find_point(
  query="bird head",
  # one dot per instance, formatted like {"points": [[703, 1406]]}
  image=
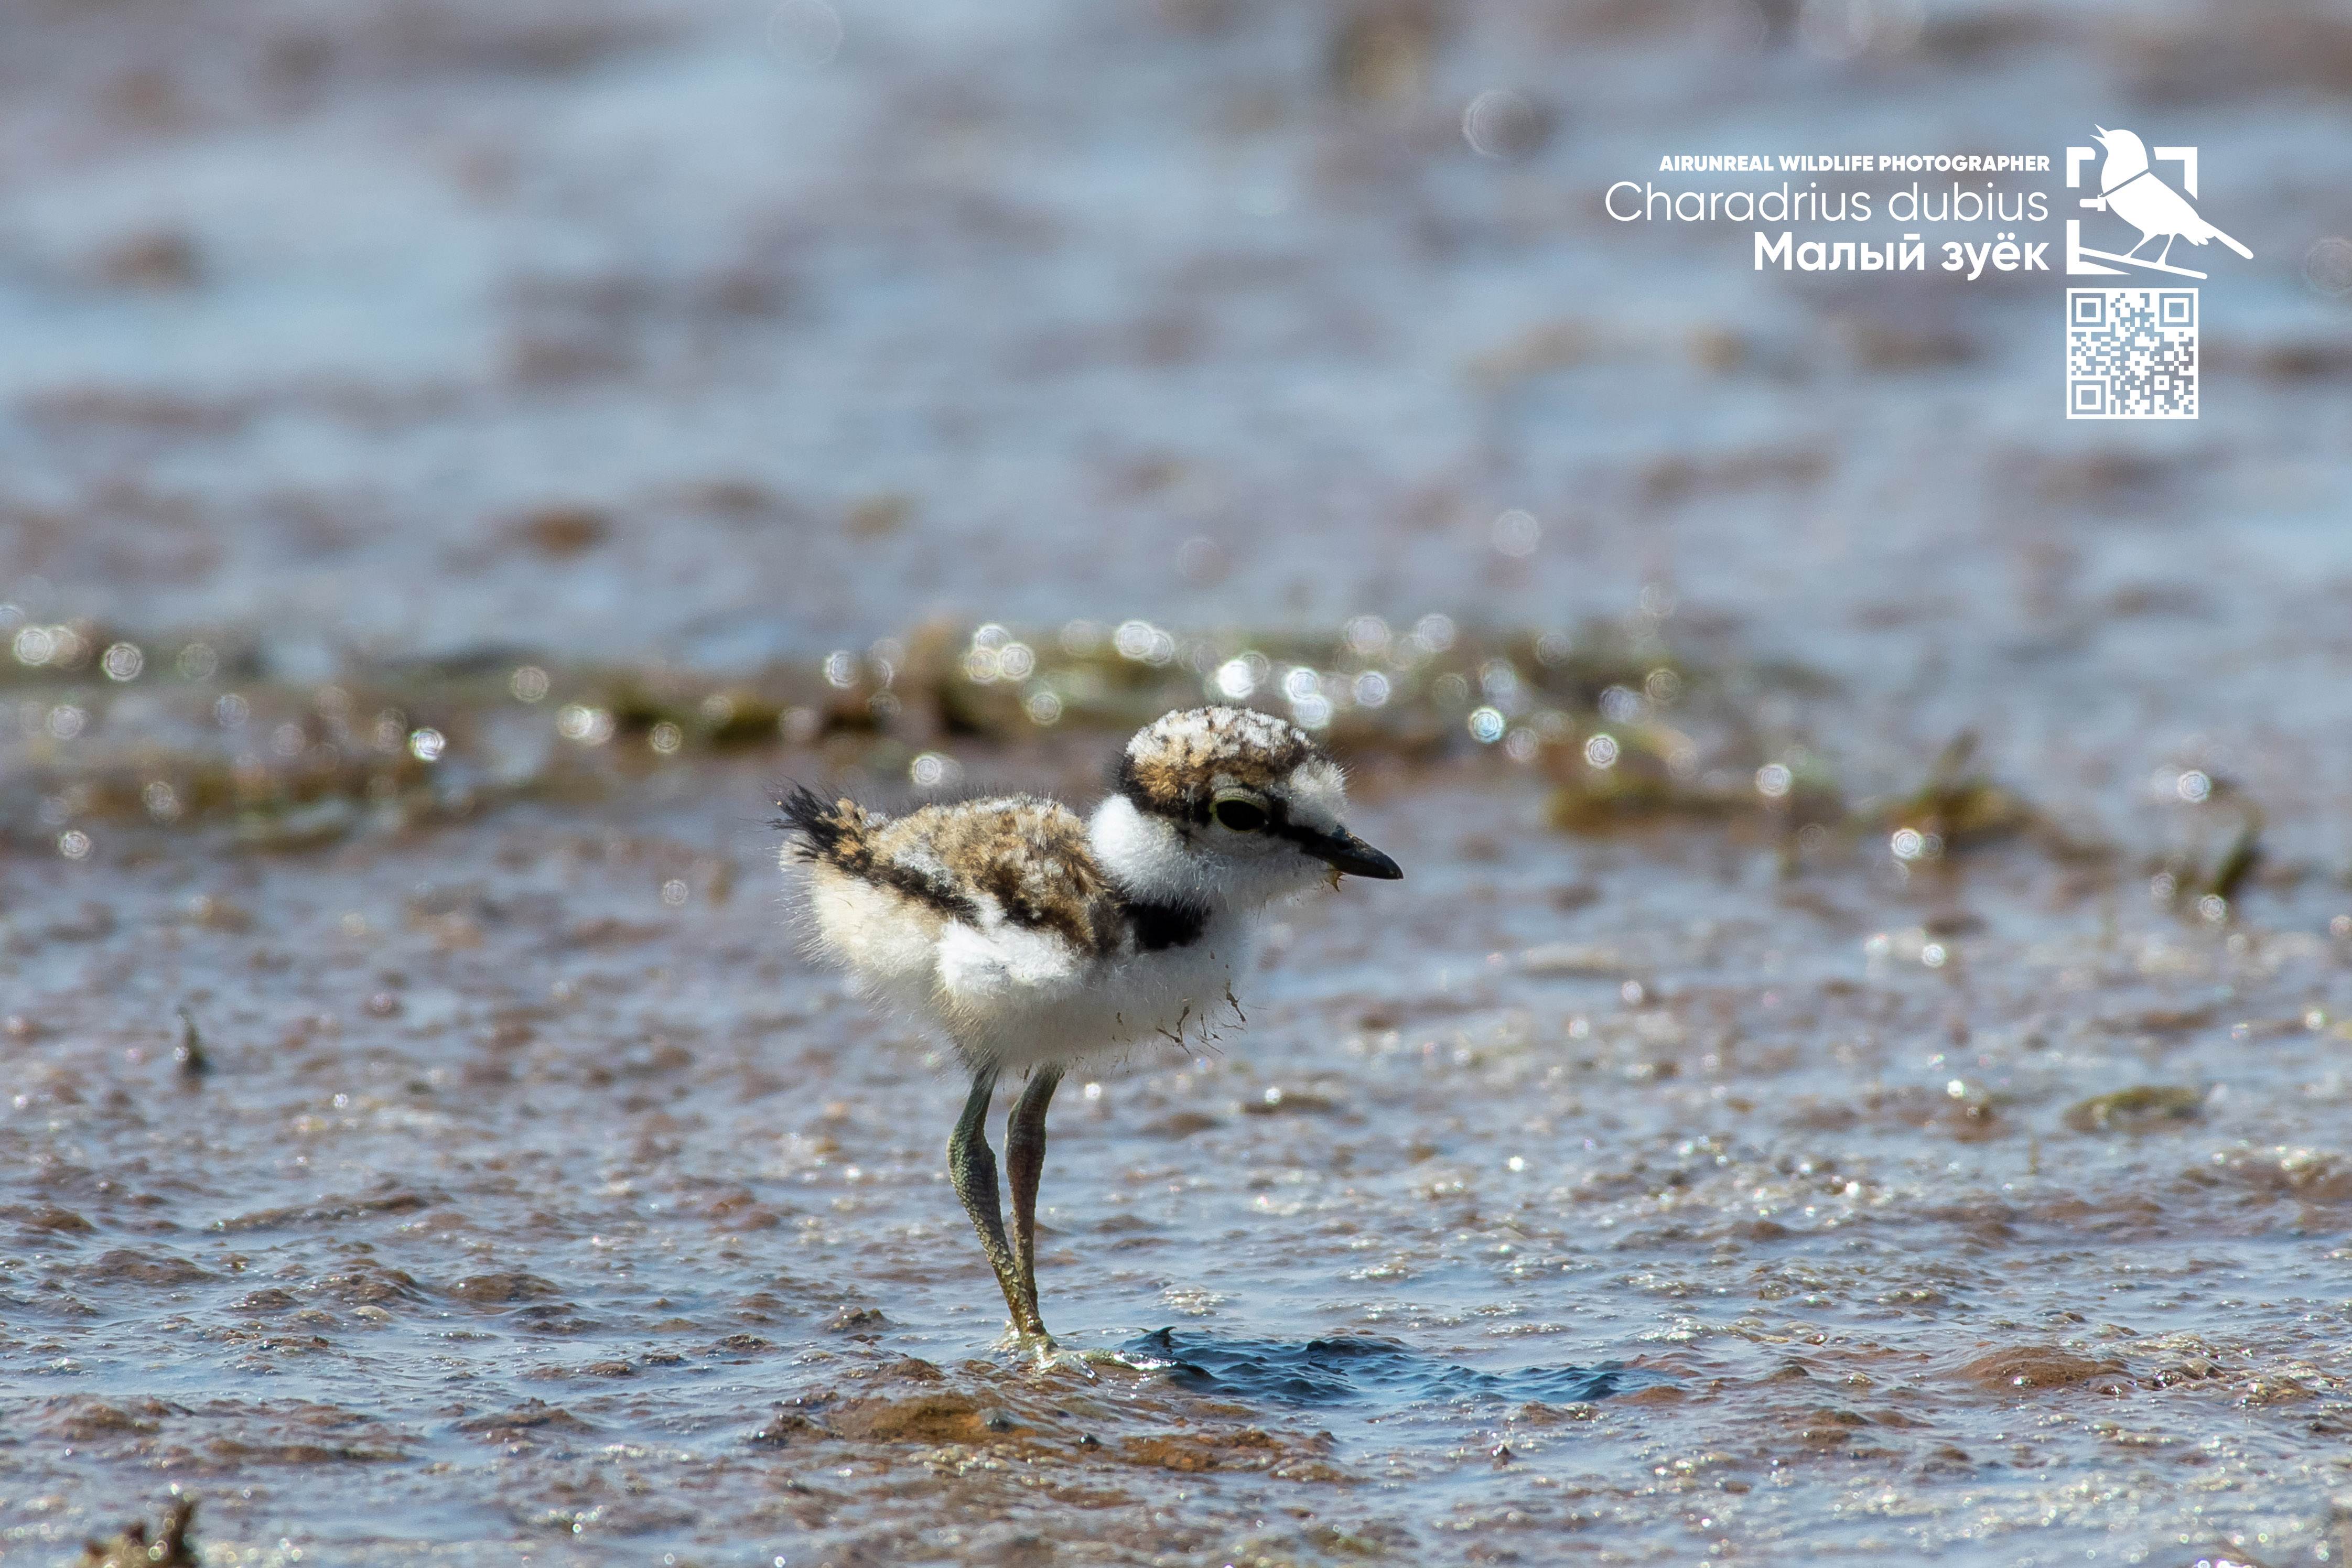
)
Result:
{"points": [[1221, 805]]}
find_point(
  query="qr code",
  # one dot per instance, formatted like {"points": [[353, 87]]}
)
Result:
{"points": [[2131, 353]]}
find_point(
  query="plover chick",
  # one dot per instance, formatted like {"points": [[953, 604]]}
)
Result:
{"points": [[1033, 939]]}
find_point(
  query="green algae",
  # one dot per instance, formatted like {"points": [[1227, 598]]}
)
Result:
{"points": [[186, 732], [2140, 1108], [1956, 808], [1622, 727], [170, 1548]]}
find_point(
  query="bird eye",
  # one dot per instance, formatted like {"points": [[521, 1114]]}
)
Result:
{"points": [[1241, 816]]}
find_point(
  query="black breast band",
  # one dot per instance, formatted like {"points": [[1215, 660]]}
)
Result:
{"points": [[1159, 926]]}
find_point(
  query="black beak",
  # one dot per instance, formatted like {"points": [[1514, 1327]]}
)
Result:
{"points": [[1345, 852]]}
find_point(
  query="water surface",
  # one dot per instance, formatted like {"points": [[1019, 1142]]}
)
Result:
{"points": [[1725, 1182]]}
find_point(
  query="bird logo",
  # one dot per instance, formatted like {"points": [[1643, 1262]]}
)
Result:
{"points": [[2130, 188]]}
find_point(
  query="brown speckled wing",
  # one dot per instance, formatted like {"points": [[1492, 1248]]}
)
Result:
{"points": [[1027, 857]]}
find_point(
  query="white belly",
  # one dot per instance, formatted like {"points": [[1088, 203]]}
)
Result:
{"points": [[1018, 996], [1154, 1004]]}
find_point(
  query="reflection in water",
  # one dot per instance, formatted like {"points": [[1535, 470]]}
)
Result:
{"points": [[1358, 1368]]}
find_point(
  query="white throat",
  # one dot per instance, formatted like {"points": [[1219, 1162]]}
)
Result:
{"points": [[1148, 858], [1153, 861]]}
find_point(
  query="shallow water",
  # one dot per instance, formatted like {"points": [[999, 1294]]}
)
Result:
{"points": [[1692, 1190], [627, 331], [1633, 1188]]}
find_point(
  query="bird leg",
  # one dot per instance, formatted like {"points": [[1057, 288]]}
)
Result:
{"points": [[973, 1167], [2167, 253], [1025, 1160]]}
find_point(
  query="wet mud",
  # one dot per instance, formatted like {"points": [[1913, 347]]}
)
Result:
{"points": [[1639, 1188]]}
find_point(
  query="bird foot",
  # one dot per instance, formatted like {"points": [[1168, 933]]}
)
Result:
{"points": [[1054, 1357], [1046, 1353], [1027, 1342]]}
